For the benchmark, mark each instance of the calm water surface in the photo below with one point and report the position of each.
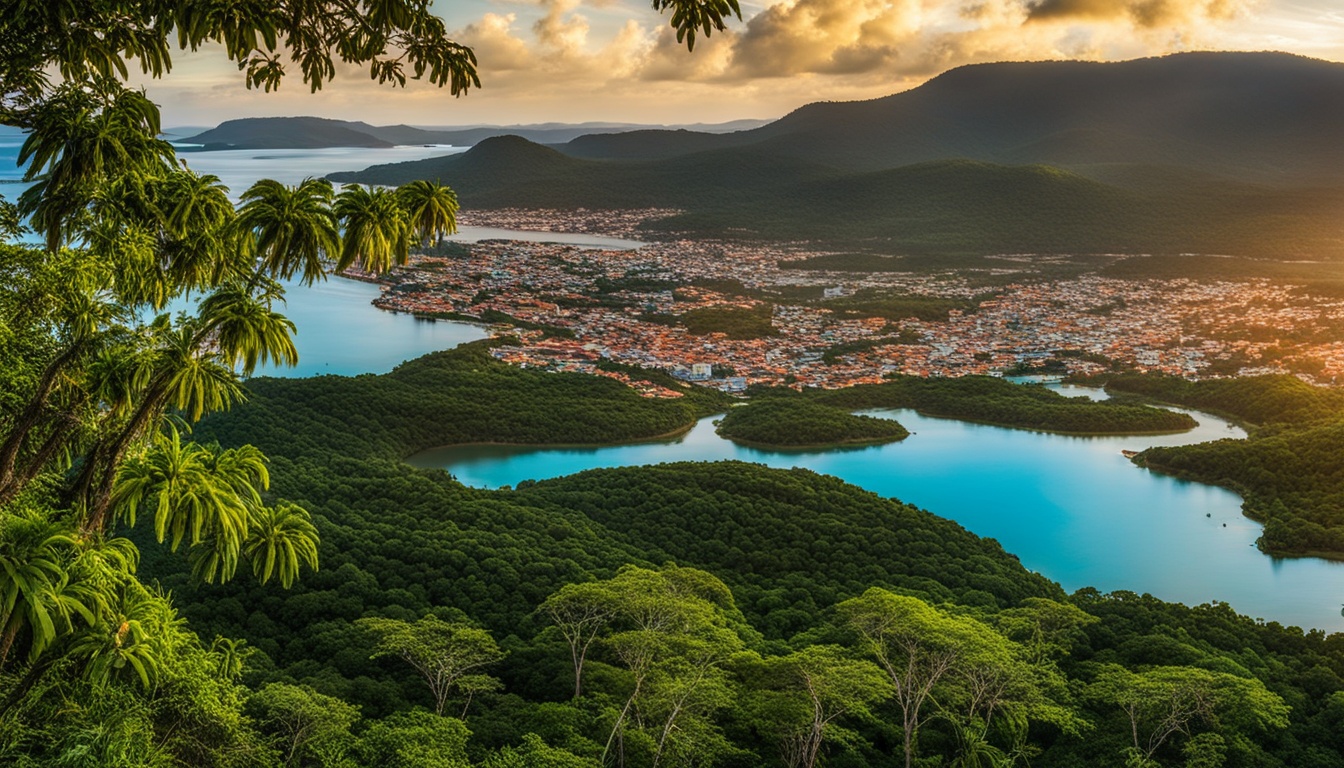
(1072, 508)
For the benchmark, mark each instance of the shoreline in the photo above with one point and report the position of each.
(812, 447)
(548, 446)
(1002, 425)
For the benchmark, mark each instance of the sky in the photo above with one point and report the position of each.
(618, 60)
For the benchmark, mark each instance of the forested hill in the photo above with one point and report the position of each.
(1268, 117)
(940, 207)
(287, 133)
(317, 132)
(457, 396)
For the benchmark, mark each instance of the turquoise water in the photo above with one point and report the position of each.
(340, 332)
(1072, 508)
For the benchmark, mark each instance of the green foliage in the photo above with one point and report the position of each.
(734, 322)
(804, 699)
(795, 421)
(874, 302)
(946, 206)
(304, 726)
(458, 396)
(446, 655)
(1261, 400)
(1165, 704)
(534, 753)
(415, 739)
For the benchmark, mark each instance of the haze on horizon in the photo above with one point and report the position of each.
(617, 60)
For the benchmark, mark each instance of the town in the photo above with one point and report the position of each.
(731, 315)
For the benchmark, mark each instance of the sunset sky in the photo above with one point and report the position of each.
(616, 60)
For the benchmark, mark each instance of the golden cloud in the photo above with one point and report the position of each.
(598, 59)
(1142, 13)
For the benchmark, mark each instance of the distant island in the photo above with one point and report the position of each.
(322, 133)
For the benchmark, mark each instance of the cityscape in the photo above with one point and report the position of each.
(570, 306)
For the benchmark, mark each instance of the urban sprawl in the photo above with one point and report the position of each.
(571, 307)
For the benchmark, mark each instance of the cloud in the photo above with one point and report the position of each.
(497, 48)
(826, 37)
(1147, 14)
(618, 60)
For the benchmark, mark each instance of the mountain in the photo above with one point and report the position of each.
(942, 206)
(1265, 117)
(1212, 153)
(285, 133)
(317, 132)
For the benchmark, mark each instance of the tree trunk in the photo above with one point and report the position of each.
(94, 487)
(620, 720)
(31, 415)
(6, 642)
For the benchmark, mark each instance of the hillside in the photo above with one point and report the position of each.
(946, 206)
(286, 133)
(1225, 153)
(1265, 117)
(782, 554)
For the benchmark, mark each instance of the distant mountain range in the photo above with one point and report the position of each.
(1208, 152)
(318, 133)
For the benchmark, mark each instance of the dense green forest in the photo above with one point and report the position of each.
(1288, 470)
(793, 551)
(459, 396)
(797, 422)
(998, 401)
(734, 322)
(947, 205)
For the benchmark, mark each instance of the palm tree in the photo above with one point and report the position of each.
(230, 656)
(34, 590)
(138, 634)
(198, 244)
(377, 229)
(189, 201)
(189, 502)
(282, 539)
(78, 139)
(292, 229)
(246, 330)
(67, 297)
(432, 209)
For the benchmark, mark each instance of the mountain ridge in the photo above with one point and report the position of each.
(305, 132)
(1177, 154)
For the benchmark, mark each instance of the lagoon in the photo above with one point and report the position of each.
(1072, 508)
